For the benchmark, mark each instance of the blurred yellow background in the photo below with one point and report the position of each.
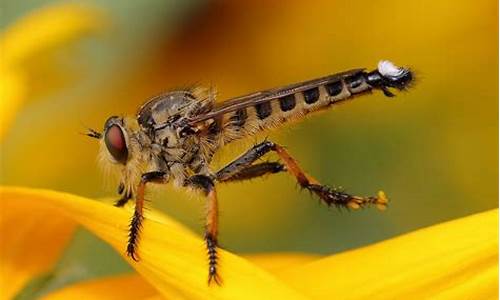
(433, 150)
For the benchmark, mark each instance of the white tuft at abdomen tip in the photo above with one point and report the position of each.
(388, 69)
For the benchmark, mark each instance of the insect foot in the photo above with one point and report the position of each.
(212, 259)
(341, 199)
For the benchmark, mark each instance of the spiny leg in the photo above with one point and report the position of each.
(136, 223)
(253, 171)
(328, 195)
(206, 185)
(125, 197)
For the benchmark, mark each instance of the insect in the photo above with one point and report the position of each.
(175, 135)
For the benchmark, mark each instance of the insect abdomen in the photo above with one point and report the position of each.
(273, 112)
(247, 115)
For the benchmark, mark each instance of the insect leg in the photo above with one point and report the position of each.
(254, 171)
(136, 223)
(123, 200)
(244, 161)
(206, 185)
(328, 195)
(125, 197)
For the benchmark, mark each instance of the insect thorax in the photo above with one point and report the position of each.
(163, 119)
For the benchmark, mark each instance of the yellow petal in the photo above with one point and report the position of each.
(173, 260)
(453, 260)
(33, 236)
(12, 92)
(46, 28)
(123, 287)
(276, 262)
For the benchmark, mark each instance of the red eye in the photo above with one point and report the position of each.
(115, 142)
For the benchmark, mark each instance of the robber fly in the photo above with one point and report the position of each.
(175, 135)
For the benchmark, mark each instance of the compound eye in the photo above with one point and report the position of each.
(115, 142)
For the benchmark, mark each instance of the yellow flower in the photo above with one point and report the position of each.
(39, 32)
(453, 260)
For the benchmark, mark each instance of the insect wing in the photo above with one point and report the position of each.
(241, 102)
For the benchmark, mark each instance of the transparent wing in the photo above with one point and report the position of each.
(241, 102)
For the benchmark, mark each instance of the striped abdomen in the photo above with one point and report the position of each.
(273, 112)
(247, 115)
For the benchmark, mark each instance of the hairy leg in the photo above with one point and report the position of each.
(136, 223)
(328, 195)
(206, 185)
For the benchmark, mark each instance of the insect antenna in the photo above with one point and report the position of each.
(92, 133)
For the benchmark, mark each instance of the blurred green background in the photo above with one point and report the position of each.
(433, 150)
